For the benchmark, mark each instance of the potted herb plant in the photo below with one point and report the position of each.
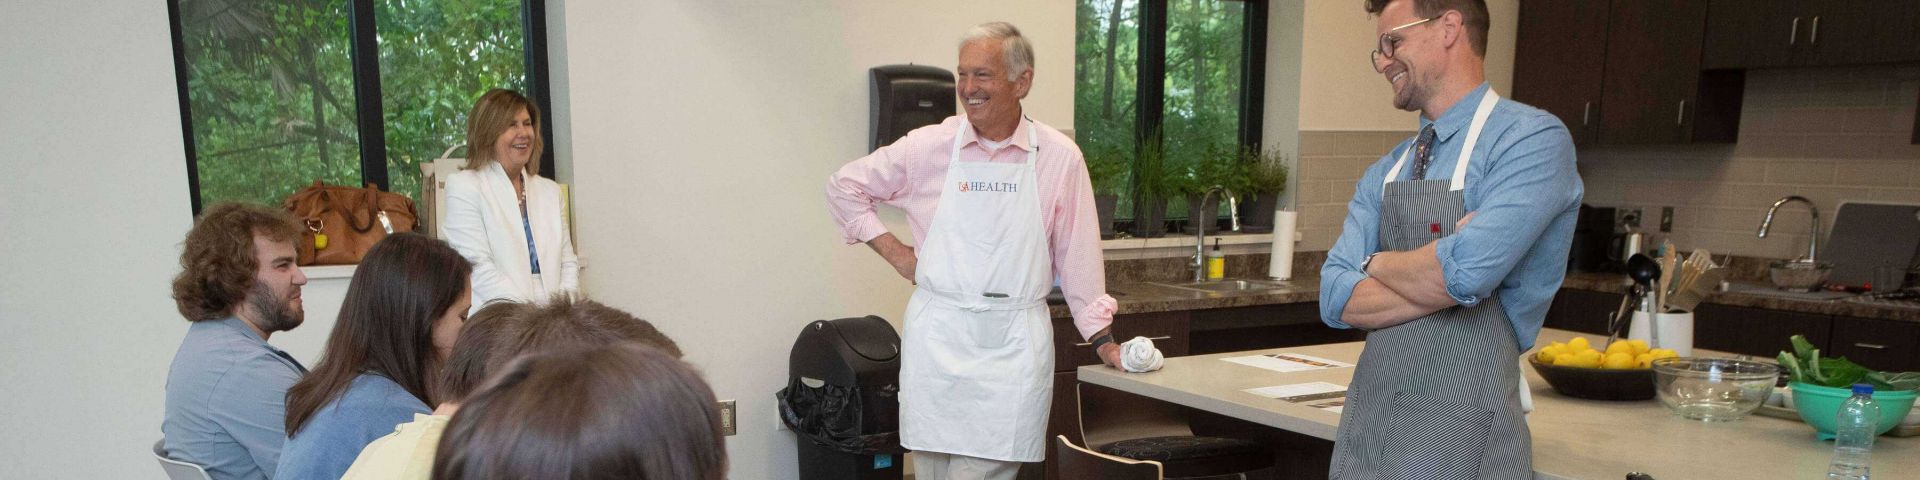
(1211, 166)
(1107, 168)
(1156, 179)
(1266, 179)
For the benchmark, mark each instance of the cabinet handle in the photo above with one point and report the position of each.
(1871, 345)
(1159, 338)
(1681, 119)
(1586, 113)
(1813, 34)
(1794, 35)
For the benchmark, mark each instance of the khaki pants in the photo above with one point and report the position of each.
(941, 466)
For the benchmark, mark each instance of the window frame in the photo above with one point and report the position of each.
(369, 114)
(1151, 84)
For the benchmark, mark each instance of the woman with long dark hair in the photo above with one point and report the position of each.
(403, 311)
(628, 412)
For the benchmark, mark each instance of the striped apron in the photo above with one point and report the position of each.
(1435, 397)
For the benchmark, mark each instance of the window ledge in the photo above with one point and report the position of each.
(1179, 240)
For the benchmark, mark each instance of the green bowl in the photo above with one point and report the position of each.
(1820, 406)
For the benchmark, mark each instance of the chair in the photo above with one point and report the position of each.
(177, 470)
(1078, 463)
(1128, 426)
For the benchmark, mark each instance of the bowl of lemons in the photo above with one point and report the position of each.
(1621, 371)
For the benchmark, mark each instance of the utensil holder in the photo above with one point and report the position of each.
(1676, 331)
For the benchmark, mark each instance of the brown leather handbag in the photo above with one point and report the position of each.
(340, 223)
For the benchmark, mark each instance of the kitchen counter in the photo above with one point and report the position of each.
(1572, 438)
(1617, 283)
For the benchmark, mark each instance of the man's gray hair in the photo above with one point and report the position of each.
(1013, 46)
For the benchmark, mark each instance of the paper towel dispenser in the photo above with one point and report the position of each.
(906, 97)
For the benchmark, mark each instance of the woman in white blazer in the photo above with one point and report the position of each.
(499, 208)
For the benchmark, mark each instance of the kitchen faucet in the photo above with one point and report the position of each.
(1813, 244)
(1199, 263)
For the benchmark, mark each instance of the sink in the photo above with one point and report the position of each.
(1226, 285)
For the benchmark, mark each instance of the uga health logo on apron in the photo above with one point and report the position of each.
(976, 373)
(1435, 397)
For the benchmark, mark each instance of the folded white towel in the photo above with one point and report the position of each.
(1138, 355)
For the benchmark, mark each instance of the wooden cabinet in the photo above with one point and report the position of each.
(1625, 72)
(1800, 33)
(1652, 71)
(1753, 331)
(1584, 311)
(1559, 43)
(1877, 344)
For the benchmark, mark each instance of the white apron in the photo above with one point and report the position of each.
(976, 377)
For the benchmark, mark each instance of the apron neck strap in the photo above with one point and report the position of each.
(1459, 180)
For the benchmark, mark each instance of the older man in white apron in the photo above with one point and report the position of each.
(1000, 205)
(1452, 276)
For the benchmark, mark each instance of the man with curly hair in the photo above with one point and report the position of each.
(227, 388)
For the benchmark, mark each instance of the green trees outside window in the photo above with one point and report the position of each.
(273, 98)
(1166, 82)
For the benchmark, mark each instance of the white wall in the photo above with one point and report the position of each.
(702, 135)
(92, 208)
(1339, 89)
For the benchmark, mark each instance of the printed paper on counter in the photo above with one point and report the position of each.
(1287, 362)
(1311, 392)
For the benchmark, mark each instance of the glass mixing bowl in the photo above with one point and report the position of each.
(1713, 389)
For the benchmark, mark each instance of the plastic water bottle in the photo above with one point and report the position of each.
(1853, 435)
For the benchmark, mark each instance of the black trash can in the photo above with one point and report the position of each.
(842, 399)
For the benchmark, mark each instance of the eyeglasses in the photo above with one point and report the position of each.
(1384, 53)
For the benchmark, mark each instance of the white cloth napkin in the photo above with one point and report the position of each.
(1139, 356)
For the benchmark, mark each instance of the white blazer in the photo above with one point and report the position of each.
(483, 224)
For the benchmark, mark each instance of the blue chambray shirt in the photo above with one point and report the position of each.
(1525, 191)
(226, 400)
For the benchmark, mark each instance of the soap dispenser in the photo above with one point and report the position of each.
(1216, 262)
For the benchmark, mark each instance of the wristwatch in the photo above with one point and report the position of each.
(1367, 262)
(1102, 341)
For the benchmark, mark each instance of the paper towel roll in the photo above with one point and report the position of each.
(1280, 265)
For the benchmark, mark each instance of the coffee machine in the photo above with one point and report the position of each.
(1596, 243)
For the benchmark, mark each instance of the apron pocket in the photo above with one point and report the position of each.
(1416, 235)
(1432, 438)
(990, 329)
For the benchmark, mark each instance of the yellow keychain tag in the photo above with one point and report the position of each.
(319, 241)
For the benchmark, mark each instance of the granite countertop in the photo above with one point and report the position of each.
(1617, 283)
(1149, 297)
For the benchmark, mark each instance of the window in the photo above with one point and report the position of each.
(275, 95)
(1181, 77)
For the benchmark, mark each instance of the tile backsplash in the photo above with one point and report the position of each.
(1828, 134)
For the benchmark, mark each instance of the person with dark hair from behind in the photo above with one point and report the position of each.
(227, 387)
(403, 311)
(496, 334)
(629, 412)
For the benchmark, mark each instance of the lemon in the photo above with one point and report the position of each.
(1618, 361)
(1621, 347)
(1566, 361)
(1546, 356)
(1643, 360)
(1579, 343)
(1639, 346)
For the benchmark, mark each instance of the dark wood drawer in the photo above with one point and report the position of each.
(1877, 344)
(1753, 331)
(1169, 331)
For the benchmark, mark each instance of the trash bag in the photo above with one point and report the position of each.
(835, 416)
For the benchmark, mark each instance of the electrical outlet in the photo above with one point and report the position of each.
(1666, 219)
(726, 417)
(1626, 218)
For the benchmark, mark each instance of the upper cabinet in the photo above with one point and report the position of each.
(1559, 44)
(1664, 72)
(1623, 72)
(1803, 33)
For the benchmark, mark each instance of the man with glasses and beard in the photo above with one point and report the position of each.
(1454, 244)
(227, 388)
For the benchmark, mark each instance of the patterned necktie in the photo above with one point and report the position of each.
(1422, 153)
